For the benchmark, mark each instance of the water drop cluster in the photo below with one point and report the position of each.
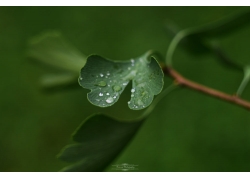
(107, 85)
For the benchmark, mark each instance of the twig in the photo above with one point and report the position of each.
(207, 90)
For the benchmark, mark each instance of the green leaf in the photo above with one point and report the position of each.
(54, 81)
(51, 49)
(107, 80)
(99, 140)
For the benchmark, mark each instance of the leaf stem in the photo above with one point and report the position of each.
(170, 52)
(204, 89)
(244, 81)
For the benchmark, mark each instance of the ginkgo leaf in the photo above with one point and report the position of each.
(107, 80)
(99, 140)
(51, 49)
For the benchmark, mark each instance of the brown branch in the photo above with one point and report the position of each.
(207, 90)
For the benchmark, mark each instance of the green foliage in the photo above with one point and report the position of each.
(99, 140)
(107, 80)
(197, 37)
(187, 132)
(51, 49)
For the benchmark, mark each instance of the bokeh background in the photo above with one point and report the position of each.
(188, 131)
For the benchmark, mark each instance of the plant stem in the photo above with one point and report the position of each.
(204, 89)
(244, 81)
(170, 52)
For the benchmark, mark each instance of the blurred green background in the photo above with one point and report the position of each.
(188, 131)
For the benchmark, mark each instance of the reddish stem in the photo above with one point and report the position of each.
(207, 90)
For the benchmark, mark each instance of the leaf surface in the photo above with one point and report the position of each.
(99, 140)
(107, 80)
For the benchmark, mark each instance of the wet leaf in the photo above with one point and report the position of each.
(107, 80)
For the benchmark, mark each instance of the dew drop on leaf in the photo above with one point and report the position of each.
(109, 83)
(110, 100)
(140, 102)
(102, 83)
(117, 88)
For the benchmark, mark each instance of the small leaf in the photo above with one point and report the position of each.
(53, 81)
(99, 140)
(51, 49)
(107, 80)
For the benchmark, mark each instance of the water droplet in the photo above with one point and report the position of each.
(114, 97)
(124, 84)
(100, 94)
(117, 88)
(143, 93)
(136, 106)
(108, 73)
(101, 75)
(132, 90)
(80, 78)
(110, 100)
(128, 102)
(107, 93)
(139, 102)
(132, 95)
(102, 83)
(132, 60)
(108, 85)
(129, 68)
